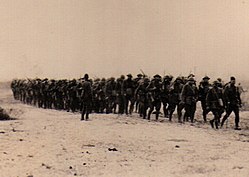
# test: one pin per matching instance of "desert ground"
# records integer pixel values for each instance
(50, 143)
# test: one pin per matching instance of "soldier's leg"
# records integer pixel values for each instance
(83, 111)
(171, 108)
(228, 112)
(236, 112)
(215, 119)
(187, 112)
(192, 112)
(151, 108)
(180, 107)
(204, 110)
(126, 101)
(88, 109)
(165, 109)
(141, 108)
(158, 107)
(131, 105)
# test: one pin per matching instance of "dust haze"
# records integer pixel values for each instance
(65, 39)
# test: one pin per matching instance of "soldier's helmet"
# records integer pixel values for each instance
(232, 78)
(216, 83)
(146, 80)
(122, 77)
(205, 78)
(129, 75)
(139, 75)
(112, 79)
(157, 76)
(191, 79)
(179, 79)
(86, 76)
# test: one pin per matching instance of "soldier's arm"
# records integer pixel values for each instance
(226, 96)
(183, 94)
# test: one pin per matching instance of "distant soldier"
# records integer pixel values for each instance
(120, 94)
(174, 98)
(142, 97)
(221, 84)
(155, 93)
(137, 82)
(72, 95)
(203, 90)
(165, 94)
(129, 89)
(189, 97)
(232, 102)
(214, 103)
(86, 97)
(110, 93)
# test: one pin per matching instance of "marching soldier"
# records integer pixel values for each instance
(214, 101)
(155, 91)
(142, 97)
(86, 97)
(129, 89)
(232, 102)
(203, 90)
(174, 98)
(189, 97)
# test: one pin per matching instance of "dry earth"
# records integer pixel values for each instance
(50, 143)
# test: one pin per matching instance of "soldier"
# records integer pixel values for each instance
(110, 93)
(129, 89)
(120, 94)
(101, 95)
(165, 94)
(155, 92)
(189, 97)
(86, 97)
(174, 98)
(72, 96)
(221, 84)
(214, 103)
(137, 82)
(232, 102)
(142, 97)
(203, 90)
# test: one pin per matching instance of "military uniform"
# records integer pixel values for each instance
(129, 89)
(189, 97)
(232, 102)
(155, 93)
(175, 98)
(142, 97)
(203, 90)
(86, 97)
(214, 101)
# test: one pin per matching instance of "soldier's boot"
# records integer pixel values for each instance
(82, 117)
(216, 124)
(204, 117)
(237, 126)
(149, 115)
(170, 117)
(192, 119)
(157, 115)
(211, 123)
(223, 121)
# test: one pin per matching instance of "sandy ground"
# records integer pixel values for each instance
(49, 143)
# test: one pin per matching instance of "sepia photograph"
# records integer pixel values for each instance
(124, 88)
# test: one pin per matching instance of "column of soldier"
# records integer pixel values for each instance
(141, 94)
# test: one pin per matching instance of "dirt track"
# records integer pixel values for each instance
(50, 143)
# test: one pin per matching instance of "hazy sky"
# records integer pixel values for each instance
(66, 38)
